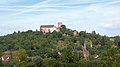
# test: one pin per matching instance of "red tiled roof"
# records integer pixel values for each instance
(5, 58)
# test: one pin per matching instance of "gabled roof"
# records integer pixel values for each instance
(5, 58)
(47, 26)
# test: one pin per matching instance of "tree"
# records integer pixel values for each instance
(1, 53)
(116, 40)
(1, 64)
(119, 44)
(21, 55)
(21, 58)
(63, 28)
(49, 62)
(82, 33)
(93, 32)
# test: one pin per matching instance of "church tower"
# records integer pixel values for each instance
(85, 51)
(85, 44)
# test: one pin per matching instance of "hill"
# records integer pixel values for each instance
(56, 49)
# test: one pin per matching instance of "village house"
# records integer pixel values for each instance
(114, 46)
(6, 57)
(75, 33)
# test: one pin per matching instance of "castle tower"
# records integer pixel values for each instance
(59, 24)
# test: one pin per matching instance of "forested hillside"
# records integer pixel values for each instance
(60, 49)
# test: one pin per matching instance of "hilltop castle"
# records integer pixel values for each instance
(50, 28)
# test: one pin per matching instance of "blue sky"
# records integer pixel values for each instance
(103, 16)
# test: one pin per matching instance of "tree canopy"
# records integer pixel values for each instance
(60, 49)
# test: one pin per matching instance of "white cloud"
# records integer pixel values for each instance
(108, 25)
(52, 4)
(113, 26)
(6, 2)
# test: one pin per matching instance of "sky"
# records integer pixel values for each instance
(102, 16)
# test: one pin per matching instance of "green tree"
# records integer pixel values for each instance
(21, 58)
(49, 62)
(119, 44)
(21, 55)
